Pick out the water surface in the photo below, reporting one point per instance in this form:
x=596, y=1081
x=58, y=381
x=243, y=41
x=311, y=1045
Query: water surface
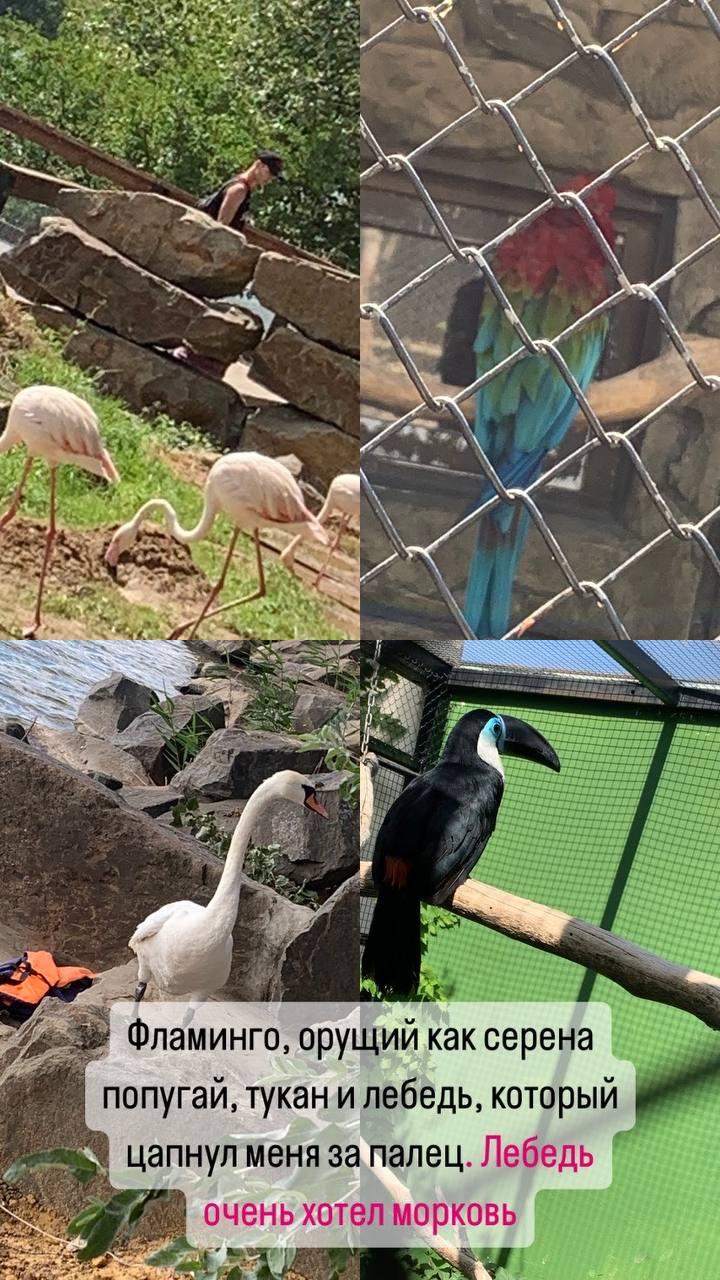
x=46, y=680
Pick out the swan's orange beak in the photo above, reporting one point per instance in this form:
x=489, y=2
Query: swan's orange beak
x=313, y=803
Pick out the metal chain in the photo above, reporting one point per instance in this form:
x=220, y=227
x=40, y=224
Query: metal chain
x=694, y=535
x=373, y=690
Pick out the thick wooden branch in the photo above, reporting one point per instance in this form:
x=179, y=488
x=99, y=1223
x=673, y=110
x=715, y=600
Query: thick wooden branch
x=640, y=972
x=463, y=1260
x=629, y=395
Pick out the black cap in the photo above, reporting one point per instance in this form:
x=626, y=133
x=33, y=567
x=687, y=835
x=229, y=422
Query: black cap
x=273, y=162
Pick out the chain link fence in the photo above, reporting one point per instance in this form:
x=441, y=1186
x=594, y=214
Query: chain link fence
x=440, y=557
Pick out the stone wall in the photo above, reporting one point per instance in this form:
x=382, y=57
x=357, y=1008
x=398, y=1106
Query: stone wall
x=579, y=123
x=133, y=277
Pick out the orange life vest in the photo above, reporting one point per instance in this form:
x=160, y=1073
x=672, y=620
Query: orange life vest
x=25, y=982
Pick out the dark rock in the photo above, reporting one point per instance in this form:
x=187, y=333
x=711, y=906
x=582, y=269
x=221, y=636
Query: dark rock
x=236, y=652
x=352, y=735
x=239, y=702
x=234, y=762
x=147, y=379
x=306, y=671
x=321, y=382
x=42, y=1078
x=315, y=853
x=323, y=449
x=90, y=755
x=180, y=244
x=225, y=814
x=151, y=800
x=150, y=738
x=112, y=704
x=237, y=699
x=314, y=707
x=14, y=728
x=105, y=780
x=323, y=303
x=327, y=951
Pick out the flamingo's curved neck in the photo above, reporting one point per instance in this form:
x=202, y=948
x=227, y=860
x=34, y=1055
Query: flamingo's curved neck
x=172, y=524
x=223, y=906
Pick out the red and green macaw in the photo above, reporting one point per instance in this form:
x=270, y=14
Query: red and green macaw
x=553, y=272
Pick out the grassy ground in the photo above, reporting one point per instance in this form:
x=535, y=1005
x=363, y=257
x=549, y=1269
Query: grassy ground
x=140, y=450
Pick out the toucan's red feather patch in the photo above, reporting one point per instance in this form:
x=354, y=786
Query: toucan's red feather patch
x=396, y=873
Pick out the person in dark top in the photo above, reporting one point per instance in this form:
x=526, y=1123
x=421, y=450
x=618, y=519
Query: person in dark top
x=230, y=204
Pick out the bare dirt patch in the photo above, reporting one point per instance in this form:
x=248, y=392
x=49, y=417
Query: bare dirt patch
x=27, y=1254
x=161, y=576
x=158, y=574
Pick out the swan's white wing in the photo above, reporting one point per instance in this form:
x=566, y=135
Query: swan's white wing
x=155, y=921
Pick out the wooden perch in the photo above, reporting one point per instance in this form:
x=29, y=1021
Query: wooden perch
x=629, y=395
x=640, y=972
x=462, y=1259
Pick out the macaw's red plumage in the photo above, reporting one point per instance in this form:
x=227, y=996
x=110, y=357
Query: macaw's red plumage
x=553, y=272
x=560, y=251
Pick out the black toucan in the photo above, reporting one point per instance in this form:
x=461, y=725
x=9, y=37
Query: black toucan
x=433, y=835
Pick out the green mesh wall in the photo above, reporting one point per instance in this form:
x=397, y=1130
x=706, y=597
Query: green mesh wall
x=628, y=836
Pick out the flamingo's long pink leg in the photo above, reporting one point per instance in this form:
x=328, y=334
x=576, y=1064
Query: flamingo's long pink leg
x=344, y=522
x=30, y=632
x=255, y=595
x=195, y=622
x=288, y=554
x=17, y=496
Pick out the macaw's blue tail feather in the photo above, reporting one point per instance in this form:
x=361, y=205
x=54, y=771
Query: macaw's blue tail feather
x=494, y=564
x=518, y=474
x=501, y=539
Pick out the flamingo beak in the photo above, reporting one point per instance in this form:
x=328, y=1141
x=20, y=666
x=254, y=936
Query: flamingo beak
x=313, y=803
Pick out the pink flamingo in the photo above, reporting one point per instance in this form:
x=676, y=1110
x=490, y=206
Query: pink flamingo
x=343, y=496
x=256, y=493
x=58, y=426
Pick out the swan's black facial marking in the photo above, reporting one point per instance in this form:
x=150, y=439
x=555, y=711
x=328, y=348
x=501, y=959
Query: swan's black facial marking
x=311, y=800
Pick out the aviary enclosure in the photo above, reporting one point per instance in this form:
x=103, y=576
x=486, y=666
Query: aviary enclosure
x=627, y=840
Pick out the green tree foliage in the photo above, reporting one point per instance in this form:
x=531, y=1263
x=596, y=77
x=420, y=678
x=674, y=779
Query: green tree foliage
x=189, y=88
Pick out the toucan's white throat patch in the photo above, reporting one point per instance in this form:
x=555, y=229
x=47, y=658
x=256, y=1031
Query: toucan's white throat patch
x=488, y=753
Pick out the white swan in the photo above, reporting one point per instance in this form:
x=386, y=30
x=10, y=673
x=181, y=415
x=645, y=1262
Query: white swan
x=187, y=949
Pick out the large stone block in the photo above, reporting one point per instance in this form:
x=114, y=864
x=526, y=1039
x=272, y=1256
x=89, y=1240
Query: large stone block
x=112, y=704
x=234, y=762
x=325, y=305
x=320, y=855
x=322, y=382
x=149, y=380
x=91, y=755
x=180, y=244
x=324, y=450
x=224, y=335
x=91, y=279
x=156, y=737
